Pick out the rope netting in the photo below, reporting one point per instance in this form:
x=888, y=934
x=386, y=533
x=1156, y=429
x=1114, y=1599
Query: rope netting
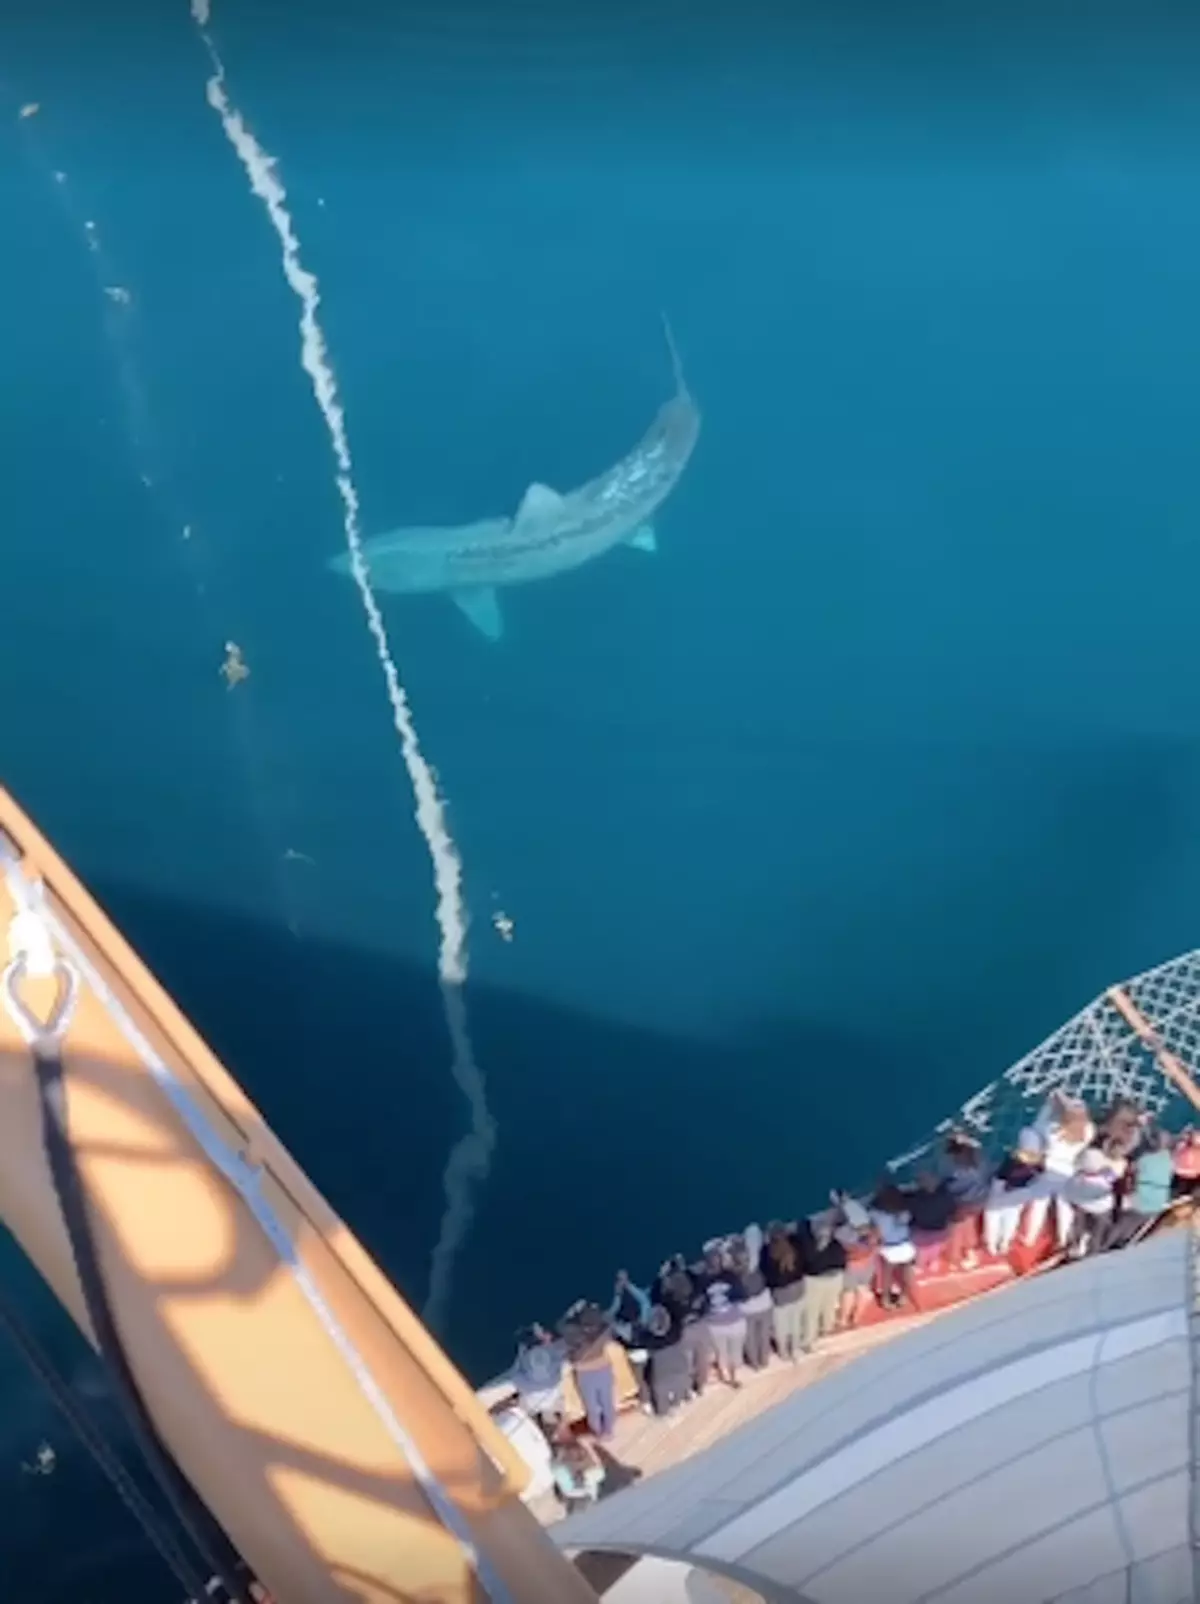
x=1098, y=1056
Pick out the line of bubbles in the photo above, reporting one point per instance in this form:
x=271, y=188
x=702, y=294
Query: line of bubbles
x=470, y=1158
x=119, y=325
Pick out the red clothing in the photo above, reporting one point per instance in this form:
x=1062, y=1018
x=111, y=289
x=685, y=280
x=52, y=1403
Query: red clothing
x=1186, y=1160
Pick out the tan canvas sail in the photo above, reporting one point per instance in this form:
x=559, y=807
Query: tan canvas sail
x=335, y=1443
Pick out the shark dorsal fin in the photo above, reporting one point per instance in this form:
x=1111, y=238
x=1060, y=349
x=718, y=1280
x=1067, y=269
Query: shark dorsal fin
x=539, y=501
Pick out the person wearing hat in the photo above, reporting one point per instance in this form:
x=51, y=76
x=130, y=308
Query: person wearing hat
x=1015, y=1175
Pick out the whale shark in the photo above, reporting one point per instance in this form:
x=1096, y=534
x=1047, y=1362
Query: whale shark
x=551, y=531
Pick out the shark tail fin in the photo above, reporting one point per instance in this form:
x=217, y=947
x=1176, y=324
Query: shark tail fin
x=676, y=359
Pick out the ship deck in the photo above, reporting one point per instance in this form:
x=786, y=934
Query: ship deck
x=645, y=1444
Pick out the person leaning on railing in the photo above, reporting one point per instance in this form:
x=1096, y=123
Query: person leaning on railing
x=629, y=1308
x=824, y=1279
x=1186, y=1164
x=1123, y=1127
x=1091, y=1193
x=756, y=1304
x=628, y=1313
x=968, y=1182
x=538, y=1373
x=588, y=1337
x=1010, y=1190
x=782, y=1265
x=683, y=1295
x=1153, y=1172
x=1066, y=1129
x=897, y=1253
x=670, y=1373
x=854, y=1231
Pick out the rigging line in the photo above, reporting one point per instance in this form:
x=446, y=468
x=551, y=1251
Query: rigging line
x=45, y=1044
x=62, y=1396
x=247, y=1181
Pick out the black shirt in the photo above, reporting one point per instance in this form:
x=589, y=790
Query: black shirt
x=930, y=1211
x=821, y=1260
x=653, y=1341
x=1015, y=1172
x=774, y=1273
x=753, y=1282
x=682, y=1294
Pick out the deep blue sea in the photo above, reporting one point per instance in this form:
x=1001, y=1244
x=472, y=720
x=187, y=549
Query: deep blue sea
x=807, y=825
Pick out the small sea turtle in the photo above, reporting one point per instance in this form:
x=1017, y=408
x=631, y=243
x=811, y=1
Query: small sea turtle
x=233, y=669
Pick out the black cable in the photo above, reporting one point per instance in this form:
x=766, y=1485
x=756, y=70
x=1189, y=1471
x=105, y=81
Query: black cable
x=193, y=1516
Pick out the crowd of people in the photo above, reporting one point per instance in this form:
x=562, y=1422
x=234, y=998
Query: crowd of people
x=1094, y=1185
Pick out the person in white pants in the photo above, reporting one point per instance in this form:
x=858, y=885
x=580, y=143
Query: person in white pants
x=1066, y=1128
x=1010, y=1191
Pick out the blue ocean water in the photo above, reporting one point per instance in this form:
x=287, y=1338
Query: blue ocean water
x=807, y=825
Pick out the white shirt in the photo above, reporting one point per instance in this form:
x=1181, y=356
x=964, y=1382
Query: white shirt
x=1091, y=1193
x=1061, y=1151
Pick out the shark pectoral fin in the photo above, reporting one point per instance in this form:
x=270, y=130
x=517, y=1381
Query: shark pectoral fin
x=482, y=606
x=539, y=501
x=643, y=539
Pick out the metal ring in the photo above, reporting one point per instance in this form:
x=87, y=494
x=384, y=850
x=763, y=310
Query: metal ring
x=38, y=1032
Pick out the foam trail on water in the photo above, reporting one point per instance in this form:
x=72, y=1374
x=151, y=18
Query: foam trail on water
x=470, y=1158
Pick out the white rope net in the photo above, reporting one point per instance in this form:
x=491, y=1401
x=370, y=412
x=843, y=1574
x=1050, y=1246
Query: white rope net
x=1097, y=1056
